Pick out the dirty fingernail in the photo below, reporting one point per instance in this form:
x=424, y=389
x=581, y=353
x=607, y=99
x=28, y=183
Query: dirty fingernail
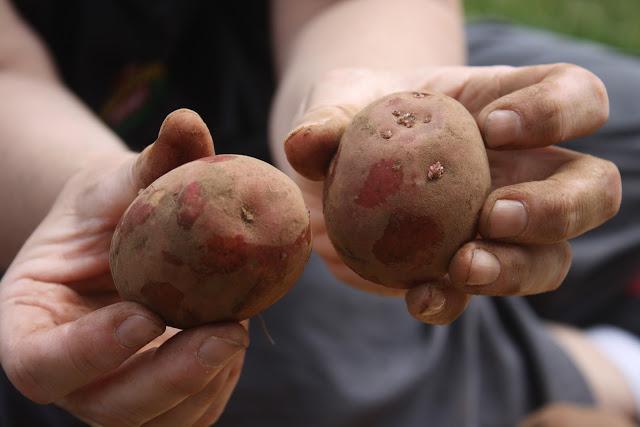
x=485, y=268
x=508, y=218
x=215, y=351
x=136, y=331
x=433, y=300
x=502, y=127
x=306, y=128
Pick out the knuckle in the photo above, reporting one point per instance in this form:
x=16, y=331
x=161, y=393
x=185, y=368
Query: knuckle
x=596, y=86
x=558, y=217
x=613, y=193
x=542, y=111
x=563, y=251
x=178, y=382
x=569, y=68
x=602, y=99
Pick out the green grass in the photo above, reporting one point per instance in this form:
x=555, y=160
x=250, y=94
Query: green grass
x=614, y=22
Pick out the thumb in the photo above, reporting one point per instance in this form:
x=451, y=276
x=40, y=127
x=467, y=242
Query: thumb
x=183, y=137
x=313, y=143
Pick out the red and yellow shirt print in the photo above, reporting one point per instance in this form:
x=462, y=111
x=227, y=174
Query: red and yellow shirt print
x=137, y=88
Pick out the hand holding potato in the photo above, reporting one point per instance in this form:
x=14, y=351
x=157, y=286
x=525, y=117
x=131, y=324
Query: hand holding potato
x=541, y=195
x=65, y=337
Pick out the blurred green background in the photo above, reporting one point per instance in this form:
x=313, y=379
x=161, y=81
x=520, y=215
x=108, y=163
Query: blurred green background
x=614, y=22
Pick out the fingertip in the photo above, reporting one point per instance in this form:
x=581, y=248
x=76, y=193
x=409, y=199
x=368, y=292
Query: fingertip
x=436, y=304
x=183, y=137
x=310, y=147
x=424, y=301
x=186, y=125
x=231, y=331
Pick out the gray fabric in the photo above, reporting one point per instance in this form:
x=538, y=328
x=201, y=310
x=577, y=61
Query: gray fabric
x=345, y=358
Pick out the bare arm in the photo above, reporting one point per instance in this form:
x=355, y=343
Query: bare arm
x=46, y=134
x=312, y=38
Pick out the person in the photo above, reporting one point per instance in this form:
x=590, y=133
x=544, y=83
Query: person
x=342, y=356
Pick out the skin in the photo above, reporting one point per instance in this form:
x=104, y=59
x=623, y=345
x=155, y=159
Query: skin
x=569, y=415
x=44, y=122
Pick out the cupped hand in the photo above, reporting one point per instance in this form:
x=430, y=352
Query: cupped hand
x=542, y=195
x=65, y=336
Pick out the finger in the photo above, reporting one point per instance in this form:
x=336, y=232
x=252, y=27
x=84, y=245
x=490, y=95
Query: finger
x=48, y=364
x=152, y=383
x=582, y=194
x=543, y=105
x=437, y=303
x=213, y=413
x=311, y=146
x=190, y=410
x=324, y=115
x=490, y=268
x=183, y=137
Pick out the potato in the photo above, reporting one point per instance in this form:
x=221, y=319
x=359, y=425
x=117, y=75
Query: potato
x=405, y=188
x=217, y=239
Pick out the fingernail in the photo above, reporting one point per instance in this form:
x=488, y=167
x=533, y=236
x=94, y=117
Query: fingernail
x=136, y=331
x=502, y=127
x=216, y=351
x=434, y=301
x=508, y=218
x=485, y=268
x=306, y=128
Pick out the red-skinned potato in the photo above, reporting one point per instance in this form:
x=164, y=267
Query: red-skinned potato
x=217, y=239
x=405, y=188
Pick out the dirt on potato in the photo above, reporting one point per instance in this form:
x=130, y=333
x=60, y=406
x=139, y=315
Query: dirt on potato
x=217, y=239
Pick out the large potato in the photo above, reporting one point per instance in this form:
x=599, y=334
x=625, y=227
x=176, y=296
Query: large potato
x=220, y=238
x=405, y=188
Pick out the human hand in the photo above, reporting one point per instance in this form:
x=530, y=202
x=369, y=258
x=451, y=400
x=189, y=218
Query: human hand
x=67, y=338
x=571, y=415
x=541, y=196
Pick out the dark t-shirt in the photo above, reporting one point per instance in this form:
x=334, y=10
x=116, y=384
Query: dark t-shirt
x=134, y=61
x=342, y=357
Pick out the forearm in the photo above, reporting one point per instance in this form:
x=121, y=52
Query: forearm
x=376, y=34
x=46, y=134
x=608, y=385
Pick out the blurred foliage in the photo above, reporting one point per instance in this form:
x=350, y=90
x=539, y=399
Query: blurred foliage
x=614, y=22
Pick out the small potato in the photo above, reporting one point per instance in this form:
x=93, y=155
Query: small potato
x=405, y=188
x=217, y=239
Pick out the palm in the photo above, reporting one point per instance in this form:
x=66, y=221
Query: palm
x=63, y=267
